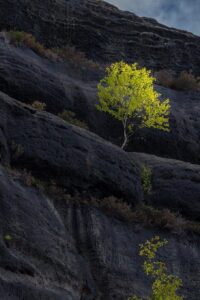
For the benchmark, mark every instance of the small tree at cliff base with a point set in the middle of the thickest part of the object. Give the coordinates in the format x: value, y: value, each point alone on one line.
x: 127, y: 93
x: 165, y: 286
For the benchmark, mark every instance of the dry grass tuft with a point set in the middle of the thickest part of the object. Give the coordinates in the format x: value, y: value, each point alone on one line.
x: 67, y: 53
x: 185, y: 81
x: 146, y: 216
x: 38, y: 105
x: 70, y: 117
x: 76, y: 57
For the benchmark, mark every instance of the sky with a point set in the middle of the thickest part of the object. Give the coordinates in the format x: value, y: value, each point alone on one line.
x: 183, y: 14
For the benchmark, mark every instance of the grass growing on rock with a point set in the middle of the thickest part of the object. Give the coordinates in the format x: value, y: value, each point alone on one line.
x: 143, y: 215
x: 184, y: 81
x: 40, y: 106
x: 67, y: 53
x: 146, y: 177
x: 70, y: 117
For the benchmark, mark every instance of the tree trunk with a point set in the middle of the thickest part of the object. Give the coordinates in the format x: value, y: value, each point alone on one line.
x: 125, y: 137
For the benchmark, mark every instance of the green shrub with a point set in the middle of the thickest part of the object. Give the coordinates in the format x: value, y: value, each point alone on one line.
x: 165, y: 286
x: 39, y: 105
x: 16, y: 37
x: 20, y: 37
x: 70, y: 117
x: 146, y: 176
x: 7, y: 237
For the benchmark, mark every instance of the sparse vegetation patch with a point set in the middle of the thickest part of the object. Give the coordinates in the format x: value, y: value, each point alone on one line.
x: 67, y: 53
x: 165, y: 286
x: 70, y: 117
x: 143, y: 215
x: 184, y: 81
x: 39, y: 105
x: 146, y: 176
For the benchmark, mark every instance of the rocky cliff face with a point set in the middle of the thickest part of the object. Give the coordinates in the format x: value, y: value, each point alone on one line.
x: 103, y: 32
x: 61, y: 251
x: 57, y: 242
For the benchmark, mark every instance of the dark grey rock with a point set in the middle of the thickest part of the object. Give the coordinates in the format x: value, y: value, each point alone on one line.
x: 182, y: 142
x: 52, y: 83
x: 78, y: 160
x: 85, y: 24
x: 63, y: 251
x: 60, y: 250
x: 175, y: 184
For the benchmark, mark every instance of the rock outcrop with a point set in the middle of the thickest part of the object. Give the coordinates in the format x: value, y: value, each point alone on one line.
x: 65, y: 251
x: 68, y: 247
x: 103, y: 32
x: 52, y: 149
x: 58, y: 87
x: 174, y: 184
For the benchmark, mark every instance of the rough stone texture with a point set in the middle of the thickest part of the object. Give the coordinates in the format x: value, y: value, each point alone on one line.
x: 85, y: 24
x: 60, y: 251
x: 182, y: 142
x: 175, y: 184
x: 57, y: 86
x: 64, y: 251
x: 82, y: 162
x: 52, y: 149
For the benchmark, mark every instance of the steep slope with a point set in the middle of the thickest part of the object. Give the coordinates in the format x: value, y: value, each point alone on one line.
x: 103, y: 32
x: 54, y: 150
x: 57, y: 85
x: 60, y: 249
x: 60, y: 238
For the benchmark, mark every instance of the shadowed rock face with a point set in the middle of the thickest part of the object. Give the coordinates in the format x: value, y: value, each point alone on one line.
x: 182, y: 142
x: 175, y: 184
x: 80, y: 161
x: 39, y: 79
x: 54, y: 249
x: 103, y: 32
x: 71, y: 252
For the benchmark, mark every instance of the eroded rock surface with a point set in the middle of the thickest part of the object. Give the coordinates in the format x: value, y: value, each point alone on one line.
x: 54, y: 249
x: 54, y: 84
x: 52, y: 149
x: 85, y: 24
x: 175, y: 184
x: 65, y: 251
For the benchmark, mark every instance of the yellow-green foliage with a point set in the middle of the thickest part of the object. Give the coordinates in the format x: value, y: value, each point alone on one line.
x: 165, y: 286
x: 38, y: 105
x: 127, y: 93
x: 7, y: 237
x: 70, y: 117
x: 146, y: 177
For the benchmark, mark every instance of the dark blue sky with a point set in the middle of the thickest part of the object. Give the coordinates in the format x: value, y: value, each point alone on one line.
x: 183, y: 14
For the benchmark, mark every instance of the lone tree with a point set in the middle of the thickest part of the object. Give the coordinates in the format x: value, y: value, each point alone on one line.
x: 127, y: 93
